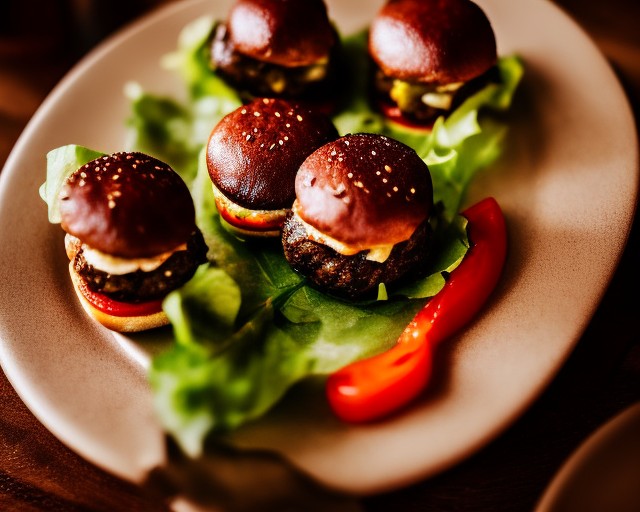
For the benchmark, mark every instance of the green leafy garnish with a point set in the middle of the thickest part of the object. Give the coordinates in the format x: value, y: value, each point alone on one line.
x: 175, y: 131
x: 247, y: 327
x: 62, y: 162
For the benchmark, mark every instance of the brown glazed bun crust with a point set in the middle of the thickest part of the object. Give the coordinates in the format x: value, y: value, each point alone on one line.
x: 254, y: 153
x: 440, y: 41
x: 364, y: 190
x: 129, y: 205
x: 284, y: 32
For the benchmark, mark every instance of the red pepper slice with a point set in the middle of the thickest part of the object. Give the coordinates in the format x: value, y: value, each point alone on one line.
x: 372, y: 388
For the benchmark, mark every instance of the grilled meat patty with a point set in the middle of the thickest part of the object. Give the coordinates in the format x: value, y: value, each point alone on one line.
x: 140, y: 286
x: 352, y: 276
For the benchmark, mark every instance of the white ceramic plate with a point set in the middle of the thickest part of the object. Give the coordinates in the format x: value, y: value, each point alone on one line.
x: 567, y: 185
x: 603, y: 473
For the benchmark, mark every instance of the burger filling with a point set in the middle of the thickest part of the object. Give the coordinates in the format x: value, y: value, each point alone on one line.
x: 423, y: 102
x: 268, y: 221
x: 379, y: 253
x: 263, y: 78
x: 354, y: 275
x: 136, y: 279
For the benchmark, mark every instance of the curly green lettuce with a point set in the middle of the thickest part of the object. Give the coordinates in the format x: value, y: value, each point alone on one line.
x: 247, y: 327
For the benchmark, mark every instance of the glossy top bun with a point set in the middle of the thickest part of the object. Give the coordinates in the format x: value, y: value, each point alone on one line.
x: 284, y: 32
x: 364, y: 190
x: 253, y: 154
x: 129, y: 205
x: 440, y: 41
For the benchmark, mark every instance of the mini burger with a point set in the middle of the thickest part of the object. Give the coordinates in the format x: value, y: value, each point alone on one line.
x: 278, y: 48
x: 361, y: 215
x: 429, y: 56
x: 131, y: 238
x: 253, y: 155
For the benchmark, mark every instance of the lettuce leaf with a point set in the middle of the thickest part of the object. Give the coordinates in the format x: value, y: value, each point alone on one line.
x: 247, y: 327
x: 62, y: 162
x: 171, y: 130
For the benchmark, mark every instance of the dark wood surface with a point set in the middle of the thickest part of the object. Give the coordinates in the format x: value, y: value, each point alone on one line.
x: 601, y: 378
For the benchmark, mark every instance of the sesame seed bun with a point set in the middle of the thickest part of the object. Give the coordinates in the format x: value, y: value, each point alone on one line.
x: 129, y: 205
x: 439, y: 41
x: 364, y: 190
x: 254, y: 153
x: 285, y: 32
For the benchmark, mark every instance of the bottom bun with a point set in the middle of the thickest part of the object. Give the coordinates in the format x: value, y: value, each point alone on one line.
x: 114, y: 322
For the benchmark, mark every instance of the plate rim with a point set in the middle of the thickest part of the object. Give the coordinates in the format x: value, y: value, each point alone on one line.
x: 140, y: 25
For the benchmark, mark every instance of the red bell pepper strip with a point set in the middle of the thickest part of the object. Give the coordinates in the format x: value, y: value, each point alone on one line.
x: 372, y: 388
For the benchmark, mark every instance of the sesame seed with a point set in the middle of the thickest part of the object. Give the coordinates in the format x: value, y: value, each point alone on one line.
x: 272, y: 146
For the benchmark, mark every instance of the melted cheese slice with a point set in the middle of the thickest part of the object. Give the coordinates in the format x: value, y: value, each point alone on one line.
x: 119, y: 266
x: 379, y: 253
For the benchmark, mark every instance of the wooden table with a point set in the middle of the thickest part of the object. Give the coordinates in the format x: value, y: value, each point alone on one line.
x: 601, y: 378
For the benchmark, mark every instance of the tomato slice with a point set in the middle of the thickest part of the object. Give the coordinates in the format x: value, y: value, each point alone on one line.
x: 250, y: 222
x: 118, y: 308
x: 394, y: 114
